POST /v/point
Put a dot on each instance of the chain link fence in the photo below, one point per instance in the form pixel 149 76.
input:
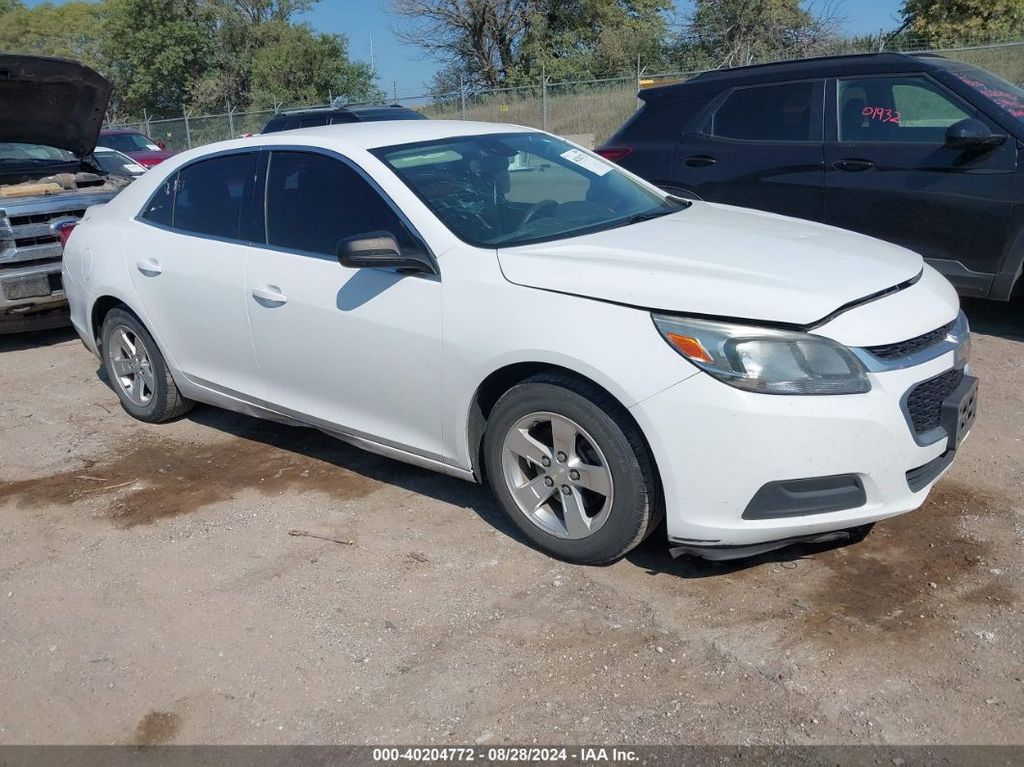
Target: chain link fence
pixel 589 111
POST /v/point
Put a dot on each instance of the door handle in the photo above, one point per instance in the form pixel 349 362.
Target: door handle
pixel 853 165
pixel 150 267
pixel 269 296
pixel 700 161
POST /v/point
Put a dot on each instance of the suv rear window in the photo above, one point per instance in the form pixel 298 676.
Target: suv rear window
pixel 767 113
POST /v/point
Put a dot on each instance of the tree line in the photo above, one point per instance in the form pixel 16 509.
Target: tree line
pixel 164 56
pixel 505 43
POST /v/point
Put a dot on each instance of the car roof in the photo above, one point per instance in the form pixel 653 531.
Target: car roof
pixel 367 135
pixel 361 109
pixel 823 66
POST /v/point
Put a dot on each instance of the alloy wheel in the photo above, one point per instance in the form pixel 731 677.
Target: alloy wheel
pixel 131 365
pixel 557 475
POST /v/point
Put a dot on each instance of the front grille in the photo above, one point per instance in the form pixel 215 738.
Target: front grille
pixel 908 347
pixel 27 238
pixel 45 218
pixel 924 404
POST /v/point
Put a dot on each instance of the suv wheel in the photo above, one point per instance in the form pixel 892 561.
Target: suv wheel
pixel 137 371
pixel 571 470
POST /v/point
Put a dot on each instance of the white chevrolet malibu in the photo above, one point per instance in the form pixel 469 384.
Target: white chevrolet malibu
pixel 497 304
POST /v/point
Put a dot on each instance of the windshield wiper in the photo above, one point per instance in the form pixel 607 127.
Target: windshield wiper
pixel 637 218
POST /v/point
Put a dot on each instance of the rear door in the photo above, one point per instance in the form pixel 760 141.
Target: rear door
pixel 186 257
pixel 761 147
pixel 889 174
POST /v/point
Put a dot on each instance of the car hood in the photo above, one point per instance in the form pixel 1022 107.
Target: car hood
pixel 56 102
pixel 720 261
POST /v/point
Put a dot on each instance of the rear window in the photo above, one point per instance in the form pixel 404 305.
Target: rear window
pixel 209 195
pixel 663 117
pixel 205 198
pixel 767 113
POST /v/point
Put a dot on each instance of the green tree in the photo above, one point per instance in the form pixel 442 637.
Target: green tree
pixel 9 5
pixel 577 39
pixel 496 43
pixel 940 23
pixel 721 33
pixel 158 50
pixel 72 30
pixel 294 64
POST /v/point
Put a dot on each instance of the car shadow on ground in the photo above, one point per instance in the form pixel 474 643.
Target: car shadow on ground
pixel 996 318
pixel 653 555
pixel 320 446
pixel 16 342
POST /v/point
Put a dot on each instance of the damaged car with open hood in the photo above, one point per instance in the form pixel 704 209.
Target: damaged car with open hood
pixel 500 305
pixel 51 112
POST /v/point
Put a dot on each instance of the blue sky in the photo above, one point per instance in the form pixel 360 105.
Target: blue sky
pixel 396 62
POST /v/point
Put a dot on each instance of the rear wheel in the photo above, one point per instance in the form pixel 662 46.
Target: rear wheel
pixel 137 370
pixel 571 469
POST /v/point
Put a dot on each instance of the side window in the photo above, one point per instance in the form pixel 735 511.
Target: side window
pixel 314 201
pixel 896 110
pixel 161 205
pixel 211 193
pixel 767 113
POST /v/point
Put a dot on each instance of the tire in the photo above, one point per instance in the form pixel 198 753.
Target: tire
pixel 615 483
pixel 141 379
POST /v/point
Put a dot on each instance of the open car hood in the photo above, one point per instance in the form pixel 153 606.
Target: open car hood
pixel 55 102
pixel 719 261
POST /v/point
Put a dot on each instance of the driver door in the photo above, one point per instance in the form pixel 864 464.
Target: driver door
pixel 353 350
pixel 889 174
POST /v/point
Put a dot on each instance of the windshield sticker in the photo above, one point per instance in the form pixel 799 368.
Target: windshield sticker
pixel 1011 102
pixel 882 114
pixel 588 163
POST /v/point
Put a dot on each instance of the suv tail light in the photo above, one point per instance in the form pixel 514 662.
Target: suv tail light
pixel 614 153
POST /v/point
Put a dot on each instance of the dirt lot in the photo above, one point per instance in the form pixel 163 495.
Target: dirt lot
pixel 150 592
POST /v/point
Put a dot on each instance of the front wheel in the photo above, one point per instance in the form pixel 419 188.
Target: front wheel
pixel 571 470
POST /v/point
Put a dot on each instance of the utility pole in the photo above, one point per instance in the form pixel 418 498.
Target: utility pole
pixel 394 84
pixel 372 69
pixel 462 94
pixel 544 96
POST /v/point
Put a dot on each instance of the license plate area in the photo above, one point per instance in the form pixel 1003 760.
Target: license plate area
pixel 959 410
pixel 29 286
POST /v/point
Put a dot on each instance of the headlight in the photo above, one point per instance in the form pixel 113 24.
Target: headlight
pixel 765 360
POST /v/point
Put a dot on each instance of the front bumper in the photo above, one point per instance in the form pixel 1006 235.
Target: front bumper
pixel 717 446
pixel 32 298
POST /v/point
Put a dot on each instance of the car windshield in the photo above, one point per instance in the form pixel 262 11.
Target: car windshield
pixel 517 188
pixel 111 161
pixel 33 153
pixel 1004 95
pixel 129 142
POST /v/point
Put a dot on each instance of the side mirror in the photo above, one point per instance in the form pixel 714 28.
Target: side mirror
pixel 380 250
pixel 160 143
pixel 972 134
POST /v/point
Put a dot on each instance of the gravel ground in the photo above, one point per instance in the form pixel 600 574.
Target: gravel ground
pixel 151 592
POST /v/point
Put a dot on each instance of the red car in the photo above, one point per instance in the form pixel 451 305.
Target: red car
pixel 145 151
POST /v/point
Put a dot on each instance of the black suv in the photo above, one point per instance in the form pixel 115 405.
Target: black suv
pixel 915 149
pixel 311 118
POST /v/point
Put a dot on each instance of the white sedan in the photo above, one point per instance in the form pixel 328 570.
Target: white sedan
pixel 497 304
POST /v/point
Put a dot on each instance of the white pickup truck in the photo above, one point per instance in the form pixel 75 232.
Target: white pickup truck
pixel 51 112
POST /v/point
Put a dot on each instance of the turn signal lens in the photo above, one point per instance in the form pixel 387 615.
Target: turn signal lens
pixel 688 347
